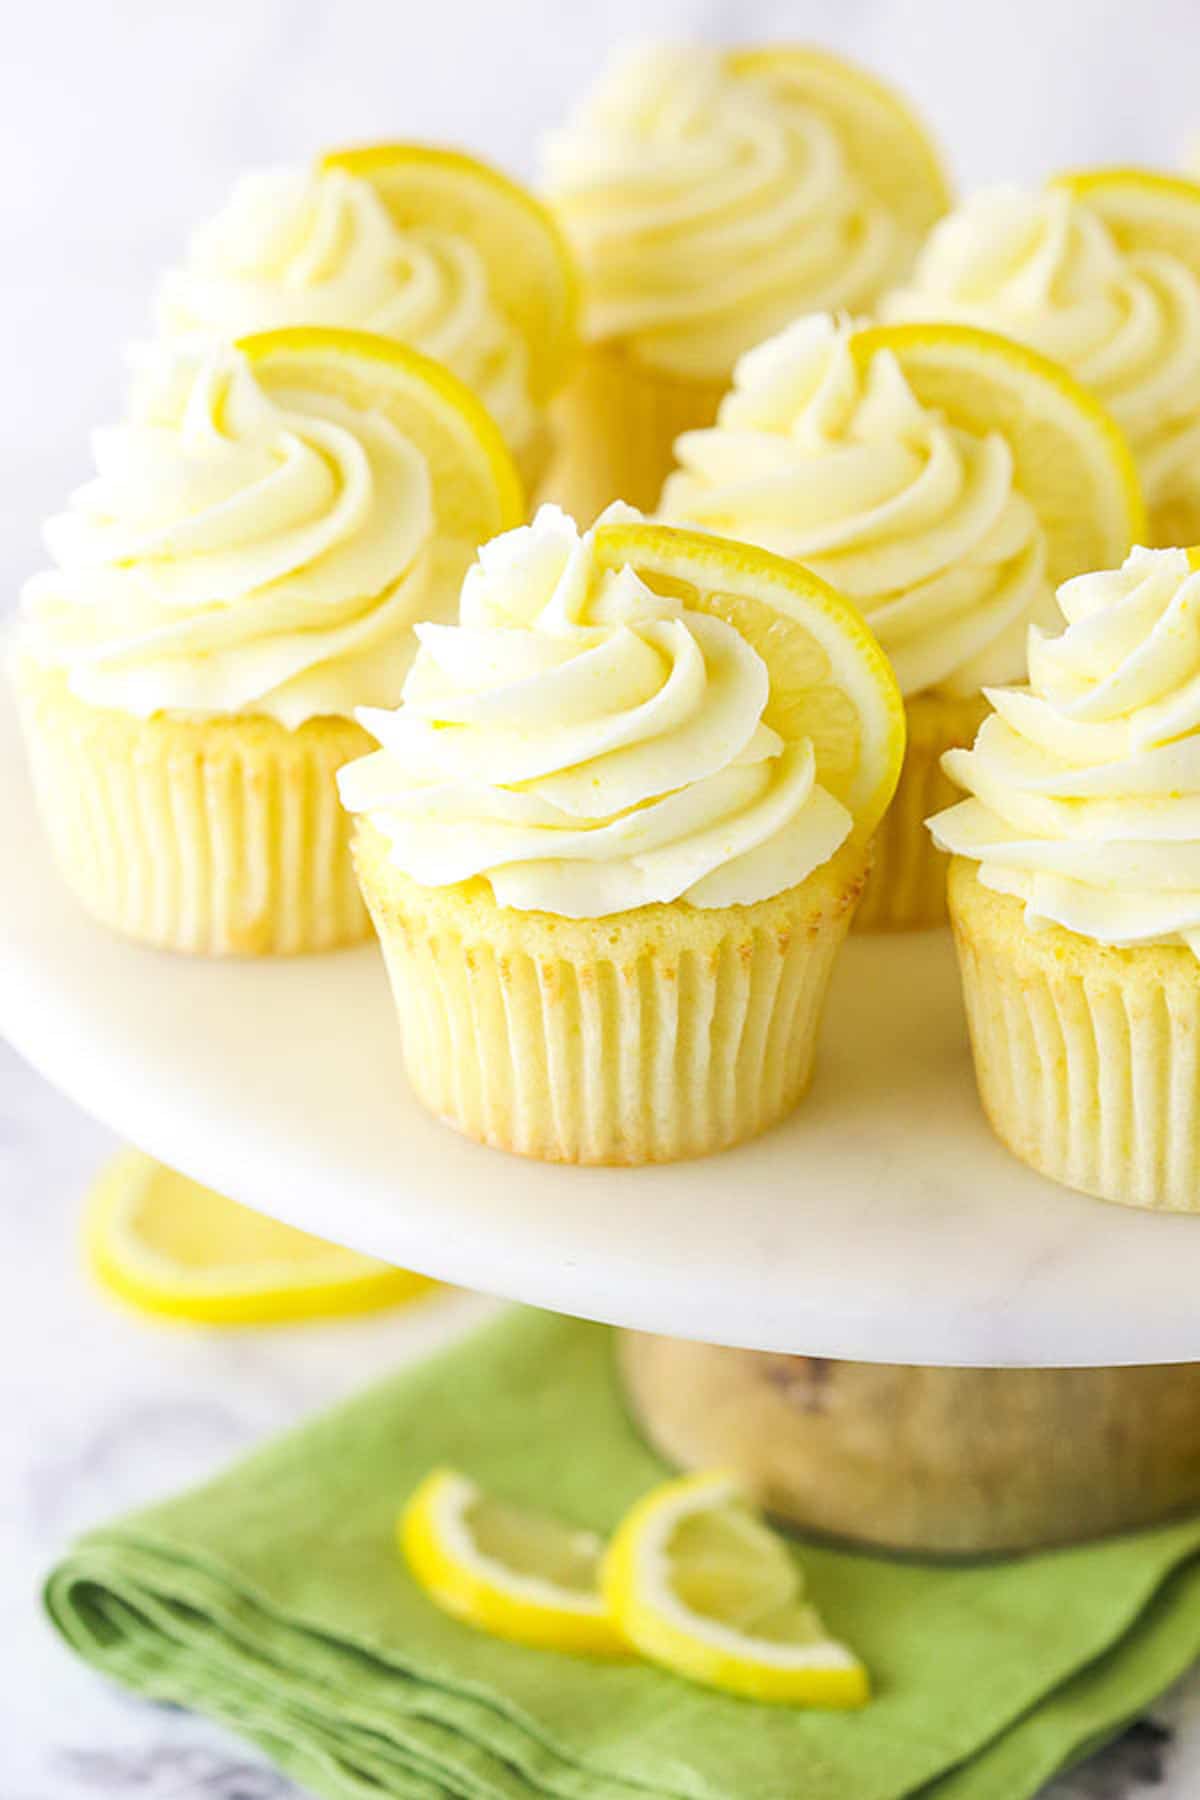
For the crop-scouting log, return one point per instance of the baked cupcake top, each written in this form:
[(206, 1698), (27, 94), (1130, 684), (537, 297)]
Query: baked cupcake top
[(237, 551), (709, 204), (589, 746), (1085, 785), (319, 247), (1045, 268), (841, 468)]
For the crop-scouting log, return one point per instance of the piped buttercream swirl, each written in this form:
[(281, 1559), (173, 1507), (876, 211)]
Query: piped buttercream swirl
[(589, 746), (238, 552), (707, 210), (301, 247), (1085, 785), (1044, 268), (842, 469)]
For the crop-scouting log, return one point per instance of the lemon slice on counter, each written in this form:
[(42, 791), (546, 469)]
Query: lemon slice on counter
[(1143, 208), (830, 681), (1071, 459), (698, 1584), (168, 1246), (531, 272), (886, 144), (516, 1574), (475, 485)]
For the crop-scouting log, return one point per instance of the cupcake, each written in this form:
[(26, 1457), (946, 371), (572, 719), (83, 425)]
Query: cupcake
[(429, 247), (1085, 272), (614, 834), (943, 480), (711, 196), (1075, 890), (244, 570)]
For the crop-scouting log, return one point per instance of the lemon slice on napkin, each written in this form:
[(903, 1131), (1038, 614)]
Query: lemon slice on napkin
[(168, 1246), (516, 1574), (699, 1584)]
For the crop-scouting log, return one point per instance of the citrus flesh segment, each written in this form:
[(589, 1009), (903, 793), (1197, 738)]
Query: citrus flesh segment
[(166, 1245), (516, 1574), (1071, 460), (1143, 208), (885, 142), (531, 272), (700, 1585), (476, 488), (830, 681)]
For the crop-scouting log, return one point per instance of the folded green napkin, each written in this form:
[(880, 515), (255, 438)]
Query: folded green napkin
[(274, 1599)]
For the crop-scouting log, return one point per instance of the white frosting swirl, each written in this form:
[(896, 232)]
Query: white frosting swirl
[(846, 472), (1085, 785), (1044, 268), (300, 247), (707, 209), (589, 746), (239, 553)]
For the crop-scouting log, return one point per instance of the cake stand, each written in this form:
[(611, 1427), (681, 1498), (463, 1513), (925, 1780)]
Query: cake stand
[(883, 1224)]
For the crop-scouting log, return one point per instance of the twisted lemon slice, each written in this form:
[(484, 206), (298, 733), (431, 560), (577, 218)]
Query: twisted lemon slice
[(516, 1574), (700, 1585), (166, 1245), (531, 272)]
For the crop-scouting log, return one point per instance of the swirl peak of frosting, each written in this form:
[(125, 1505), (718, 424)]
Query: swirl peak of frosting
[(844, 470), (237, 551), (1085, 785), (1043, 267), (707, 209), (589, 746), (319, 247)]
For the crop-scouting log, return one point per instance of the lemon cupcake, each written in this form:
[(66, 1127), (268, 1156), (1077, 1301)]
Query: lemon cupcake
[(1102, 272), (614, 835), (711, 196), (943, 479), (1075, 890), (427, 246), (263, 529)]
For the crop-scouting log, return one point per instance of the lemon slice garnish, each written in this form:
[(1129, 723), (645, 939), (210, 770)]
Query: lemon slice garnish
[(698, 1584), (475, 486), (168, 1246), (885, 143), (830, 681), (531, 272), (513, 1573), (1071, 459), (1144, 209)]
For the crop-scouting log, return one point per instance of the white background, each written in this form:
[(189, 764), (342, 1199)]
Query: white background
[(122, 122)]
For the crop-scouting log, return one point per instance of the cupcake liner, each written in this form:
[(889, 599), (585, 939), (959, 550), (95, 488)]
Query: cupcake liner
[(1175, 516), (1087, 1057), (533, 457), (907, 886), (219, 837), (649, 1036), (616, 423)]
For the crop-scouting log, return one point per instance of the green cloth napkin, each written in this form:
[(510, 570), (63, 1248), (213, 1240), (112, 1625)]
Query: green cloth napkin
[(274, 1599)]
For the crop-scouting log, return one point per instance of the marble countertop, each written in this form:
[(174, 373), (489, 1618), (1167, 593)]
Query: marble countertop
[(104, 1410)]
